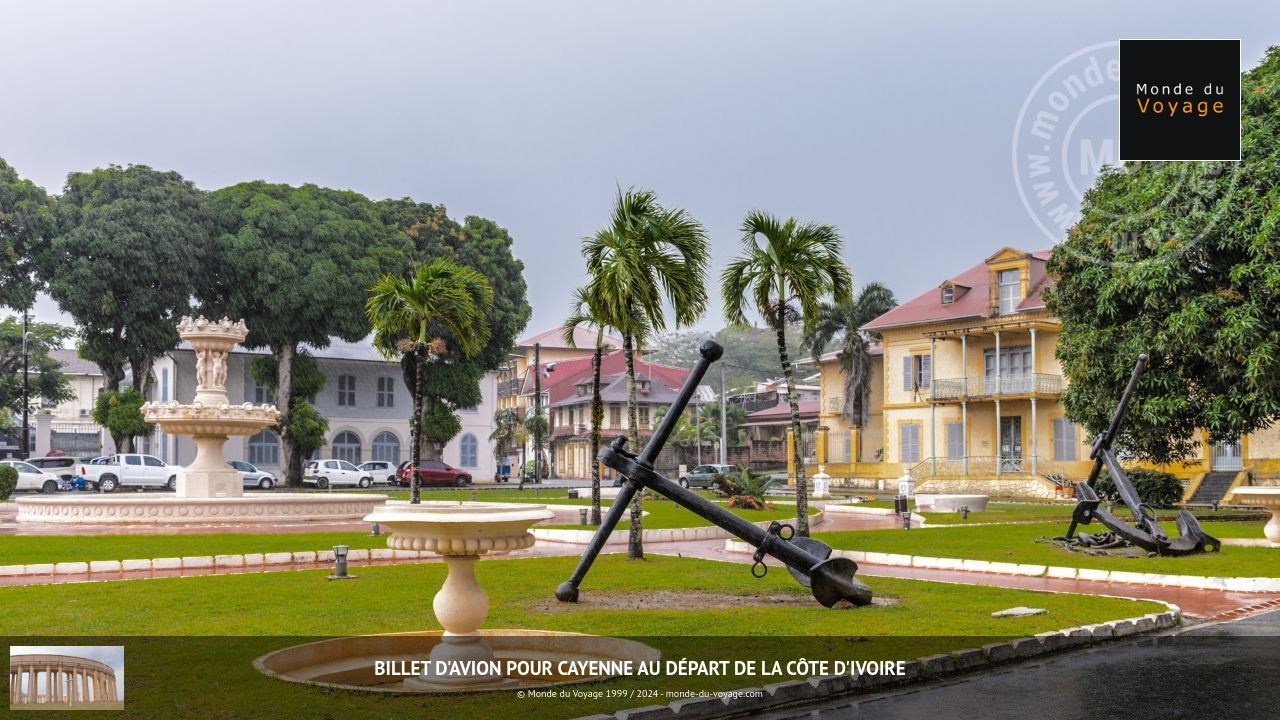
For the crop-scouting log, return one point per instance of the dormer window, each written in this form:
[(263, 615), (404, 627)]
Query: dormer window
[(1009, 289), (948, 294)]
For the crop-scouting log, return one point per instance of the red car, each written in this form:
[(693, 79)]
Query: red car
[(434, 472)]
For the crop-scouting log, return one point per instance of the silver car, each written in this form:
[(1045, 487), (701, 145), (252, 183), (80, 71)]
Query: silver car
[(252, 476), (704, 475)]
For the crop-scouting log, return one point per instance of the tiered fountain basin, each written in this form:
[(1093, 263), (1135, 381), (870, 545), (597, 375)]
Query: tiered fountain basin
[(1266, 497), (166, 509), (463, 658)]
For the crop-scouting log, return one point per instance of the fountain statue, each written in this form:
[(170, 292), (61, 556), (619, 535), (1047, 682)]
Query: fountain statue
[(210, 419), (208, 490)]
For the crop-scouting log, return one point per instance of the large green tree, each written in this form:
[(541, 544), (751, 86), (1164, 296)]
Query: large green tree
[(44, 379), (843, 321), (646, 258), (1181, 261), (295, 264), (485, 247), (26, 224), (307, 427), (785, 271), (131, 245), (404, 311)]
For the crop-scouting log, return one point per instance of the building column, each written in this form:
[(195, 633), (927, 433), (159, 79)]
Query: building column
[(791, 458), (48, 683), (1034, 447), (820, 440), (998, 433), (933, 407)]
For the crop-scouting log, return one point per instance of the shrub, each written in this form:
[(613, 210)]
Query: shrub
[(8, 481), (744, 490), (1156, 488)]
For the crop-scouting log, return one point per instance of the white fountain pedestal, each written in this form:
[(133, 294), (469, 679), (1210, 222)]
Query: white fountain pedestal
[(460, 533), (1267, 497)]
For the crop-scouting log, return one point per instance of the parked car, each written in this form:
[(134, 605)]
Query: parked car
[(63, 466), (325, 473), (381, 470), (703, 476), (435, 472), (131, 470), (252, 476), (31, 477)]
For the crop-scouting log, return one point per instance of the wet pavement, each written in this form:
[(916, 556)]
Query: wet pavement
[(1213, 671)]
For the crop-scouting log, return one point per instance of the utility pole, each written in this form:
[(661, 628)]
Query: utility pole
[(26, 391), (537, 409), (724, 436)]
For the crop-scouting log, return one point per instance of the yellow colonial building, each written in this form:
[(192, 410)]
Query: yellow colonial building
[(965, 398)]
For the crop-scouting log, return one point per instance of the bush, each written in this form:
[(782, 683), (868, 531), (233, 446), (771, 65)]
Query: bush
[(1156, 488), (745, 490), (8, 481)]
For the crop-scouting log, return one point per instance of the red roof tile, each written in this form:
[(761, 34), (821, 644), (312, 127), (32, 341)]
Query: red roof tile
[(971, 303)]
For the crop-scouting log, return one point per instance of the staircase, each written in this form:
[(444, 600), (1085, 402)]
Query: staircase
[(1213, 487)]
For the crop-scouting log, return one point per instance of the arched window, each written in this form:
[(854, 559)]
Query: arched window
[(468, 451), (346, 446), (386, 446), (264, 448)]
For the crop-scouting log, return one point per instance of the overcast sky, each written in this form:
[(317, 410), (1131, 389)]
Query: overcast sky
[(892, 120)]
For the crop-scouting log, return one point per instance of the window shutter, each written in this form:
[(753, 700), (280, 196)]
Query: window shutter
[(906, 372), (926, 371)]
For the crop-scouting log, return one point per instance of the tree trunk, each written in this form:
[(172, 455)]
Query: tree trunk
[(635, 538), (284, 403), (142, 372), (597, 417), (415, 427), (797, 432)]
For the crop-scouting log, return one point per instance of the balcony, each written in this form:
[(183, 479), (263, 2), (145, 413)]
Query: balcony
[(989, 388)]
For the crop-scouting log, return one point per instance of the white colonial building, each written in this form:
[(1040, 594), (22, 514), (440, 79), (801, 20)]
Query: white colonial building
[(364, 399)]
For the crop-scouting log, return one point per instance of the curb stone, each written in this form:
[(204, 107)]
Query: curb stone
[(795, 692)]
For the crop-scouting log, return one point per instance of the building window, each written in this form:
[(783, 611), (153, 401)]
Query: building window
[(346, 446), (909, 443), (264, 448), (164, 385), (386, 447), (260, 396), (468, 447), (948, 295), (1009, 287), (615, 416), (917, 372), (347, 390), (955, 441), (386, 392), (1064, 439), (642, 416)]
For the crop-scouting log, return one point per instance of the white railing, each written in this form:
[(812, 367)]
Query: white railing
[(1020, 384), (984, 465)]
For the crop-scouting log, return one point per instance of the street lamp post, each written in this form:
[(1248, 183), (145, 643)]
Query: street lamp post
[(26, 390), (723, 433)]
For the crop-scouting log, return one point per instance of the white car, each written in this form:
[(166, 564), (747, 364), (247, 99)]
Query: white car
[(31, 477), (252, 476), (381, 470), (130, 470), (326, 473)]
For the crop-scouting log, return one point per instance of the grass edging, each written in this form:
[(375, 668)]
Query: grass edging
[(755, 700), (194, 562), (1233, 584)]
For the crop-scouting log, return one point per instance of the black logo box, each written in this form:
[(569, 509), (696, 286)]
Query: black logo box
[(1161, 77)]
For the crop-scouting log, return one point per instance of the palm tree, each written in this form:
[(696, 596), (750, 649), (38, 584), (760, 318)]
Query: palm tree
[(586, 311), (645, 258), (786, 277), (844, 320), (504, 433), (407, 312)]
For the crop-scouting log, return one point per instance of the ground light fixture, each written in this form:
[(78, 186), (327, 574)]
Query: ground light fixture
[(906, 520), (340, 563), (375, 531), (964, 512), (582, 514)]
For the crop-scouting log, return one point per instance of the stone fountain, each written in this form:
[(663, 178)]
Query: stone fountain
[(461, 533), (208, 491)]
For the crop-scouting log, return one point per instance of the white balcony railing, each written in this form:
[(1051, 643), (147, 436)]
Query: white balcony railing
[(1020, 384)]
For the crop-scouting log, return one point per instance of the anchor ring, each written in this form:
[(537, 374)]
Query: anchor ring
[(764, 570)]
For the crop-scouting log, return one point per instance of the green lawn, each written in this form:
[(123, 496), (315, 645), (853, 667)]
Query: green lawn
[(271, 610), (31, 549), (663, 514), (1018, 543)]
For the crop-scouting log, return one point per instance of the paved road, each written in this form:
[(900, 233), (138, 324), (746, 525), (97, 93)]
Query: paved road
[(1223, 671)]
